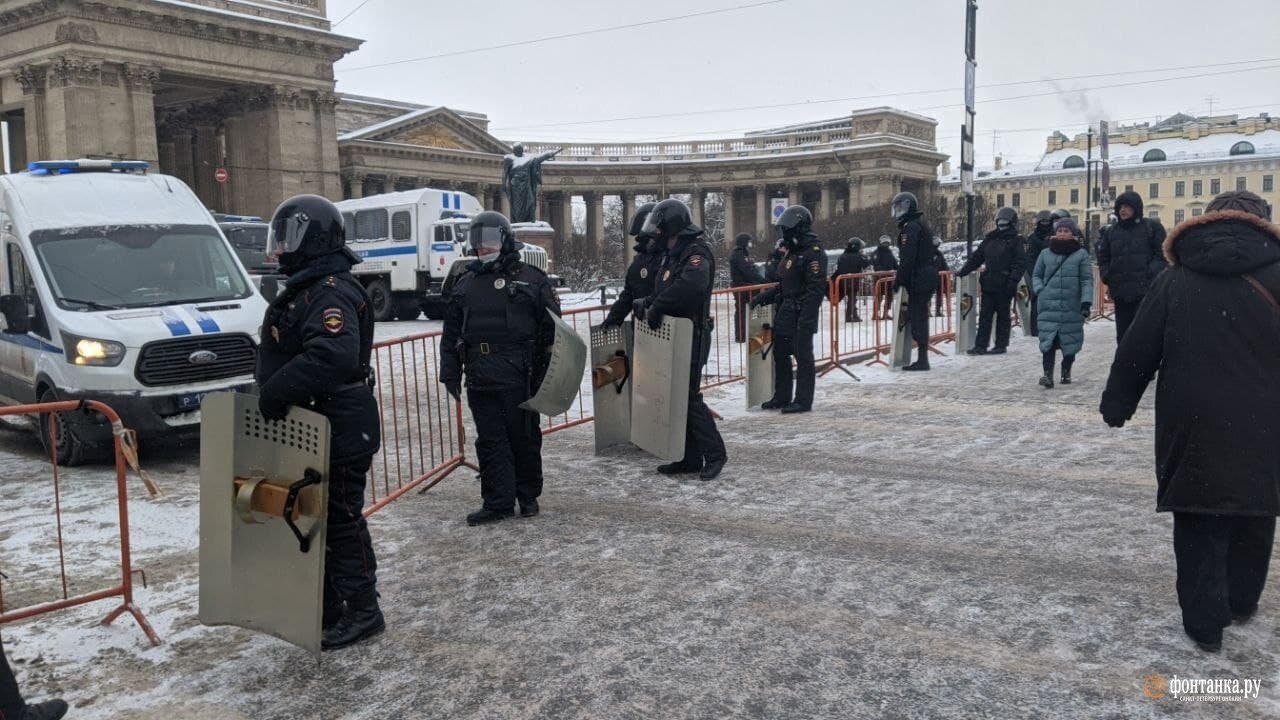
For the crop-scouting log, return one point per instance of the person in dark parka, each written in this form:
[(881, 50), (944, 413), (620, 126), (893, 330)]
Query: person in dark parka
[(802, 286), (497, 333), (1210, 326), (1036, 241), (884, 261), (851, 262), (919, 264), (1000, 256), (641, 274), (317, 338), (1130, 256), (742, 272)]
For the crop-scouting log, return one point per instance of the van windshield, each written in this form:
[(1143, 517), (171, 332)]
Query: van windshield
[(129, 266)]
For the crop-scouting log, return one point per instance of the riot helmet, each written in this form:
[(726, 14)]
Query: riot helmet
[(885, 241), (303, 227), (795, 222), (855, 244), (904, 203), (743, 240), (1059, 214), (1006, 219), (637, 220), (1044, 220), (490, 236), (667, 219)]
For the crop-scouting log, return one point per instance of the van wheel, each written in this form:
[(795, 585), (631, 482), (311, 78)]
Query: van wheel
[(71, 449), (381, 300), (407, 309)]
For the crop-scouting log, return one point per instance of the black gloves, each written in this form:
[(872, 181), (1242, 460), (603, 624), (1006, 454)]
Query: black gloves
[(1085, 309), (454, 388), (272, 409), (638, 307), (655, 318), (607, 323)]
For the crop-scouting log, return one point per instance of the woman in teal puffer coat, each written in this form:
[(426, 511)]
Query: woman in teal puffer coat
[(1063, 284)]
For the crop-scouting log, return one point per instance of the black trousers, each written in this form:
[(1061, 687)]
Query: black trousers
[(508, 447), (11, 703), (350, 568), (1222, 568), (799, 346), (702, 441), (997, 306), (1033, 323), (1125, 310), (918, 315), (1048, 359), (849, 291)]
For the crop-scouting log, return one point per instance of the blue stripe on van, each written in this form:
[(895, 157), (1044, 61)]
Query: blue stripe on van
[(34, 343), (444, 200), (383, 252), (442, 247), (205, 321), (457, 201), (176, 327)]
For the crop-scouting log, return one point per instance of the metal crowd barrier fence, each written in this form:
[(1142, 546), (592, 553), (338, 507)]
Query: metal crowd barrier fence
[(941, 319), (1103, 305), (124, 588)]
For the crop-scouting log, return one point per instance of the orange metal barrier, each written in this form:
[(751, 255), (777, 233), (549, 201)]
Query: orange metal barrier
[(1103, 305), (941, 318), (122, 590)]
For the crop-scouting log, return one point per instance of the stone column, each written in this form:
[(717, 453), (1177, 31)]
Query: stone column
[(762, 211), (17, 149), (824, 200), (179, 131), (730, 224), (355, 182), (504, 203), (628, 211), (139, 85), (565, 218), (483, 195), (73, 111), (793, 194), (207, 156), (696, 198), (595, 217), (33, 81)]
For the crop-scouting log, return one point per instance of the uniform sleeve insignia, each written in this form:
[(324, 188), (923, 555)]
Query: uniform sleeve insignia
[(787, 264), (814, 267), (696, 260), (332, 320), (644, 273), (499, 283), (331, 281), (275, 333), (666, 275)]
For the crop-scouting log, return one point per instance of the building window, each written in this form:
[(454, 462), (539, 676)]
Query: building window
[(1242, 148), (1153, 214), (1075, 196), (1111, 191), (1053, 196), (1179, 215), (1242, 183), (1195, 212), (1156, 155), (1128, 188), (1153, 190), (1180, 188), (1075, 161), (1268, 183), (999, 200), (1197, 188), (1017, 199), (1215, 186)]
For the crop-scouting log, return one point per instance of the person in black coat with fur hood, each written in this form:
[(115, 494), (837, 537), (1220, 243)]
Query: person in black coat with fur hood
[(1210, 326), (1130, 257)]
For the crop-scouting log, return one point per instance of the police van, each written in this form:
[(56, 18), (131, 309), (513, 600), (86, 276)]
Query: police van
[(248, 237), (408, 242), (117, 286)]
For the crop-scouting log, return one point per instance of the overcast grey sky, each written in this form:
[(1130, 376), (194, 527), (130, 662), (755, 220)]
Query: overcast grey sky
[(910, 53)]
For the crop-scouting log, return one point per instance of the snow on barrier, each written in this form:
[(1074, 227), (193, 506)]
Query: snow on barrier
[(122, 590), (423, 437)]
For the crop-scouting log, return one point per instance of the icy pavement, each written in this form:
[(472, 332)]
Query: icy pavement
[(957, 544)]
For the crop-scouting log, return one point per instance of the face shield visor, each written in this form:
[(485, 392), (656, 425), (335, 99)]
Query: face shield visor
[(486, 243), (287, 234), (900, 208)]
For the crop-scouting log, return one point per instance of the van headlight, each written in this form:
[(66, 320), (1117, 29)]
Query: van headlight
[(91, 351)]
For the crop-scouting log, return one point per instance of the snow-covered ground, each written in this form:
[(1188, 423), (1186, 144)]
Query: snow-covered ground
[(956, 544)]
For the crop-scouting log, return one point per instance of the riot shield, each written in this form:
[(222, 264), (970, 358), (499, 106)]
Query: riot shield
[(564, 373), (966, 312), (1023, 302), (900, 350), (660, 387), (263, 502), (611, 351), (759, 355)]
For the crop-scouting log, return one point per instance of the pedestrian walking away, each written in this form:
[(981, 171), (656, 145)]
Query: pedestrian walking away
[(1210, 326), (1063, 279)]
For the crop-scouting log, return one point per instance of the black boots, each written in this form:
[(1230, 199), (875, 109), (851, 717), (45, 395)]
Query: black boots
[(917, 366), (796, 408), (679, 468), (774, 404), (47, 710), (998, 350), (362, 619), (529, 509), (713, 468), (978, 351), (1046, 382), (1066, 378), (482, 516)]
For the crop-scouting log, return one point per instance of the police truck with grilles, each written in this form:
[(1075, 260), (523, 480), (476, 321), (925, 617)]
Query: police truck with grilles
[(408, 241), (116, 285)]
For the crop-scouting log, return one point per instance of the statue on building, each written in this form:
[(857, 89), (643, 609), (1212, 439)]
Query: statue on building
[(521, 176)]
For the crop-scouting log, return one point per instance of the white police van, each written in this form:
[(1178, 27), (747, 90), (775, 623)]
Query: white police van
[(117, 286), (408, 242)]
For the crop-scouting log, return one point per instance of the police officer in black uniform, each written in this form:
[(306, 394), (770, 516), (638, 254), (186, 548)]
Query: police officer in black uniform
[(1000, 256), (316, 340), (1037, 240), (851, 262), (497, 332), (802, 286), (640, 275), (742, 272), (772, 262), (919, 262), (683, 290)]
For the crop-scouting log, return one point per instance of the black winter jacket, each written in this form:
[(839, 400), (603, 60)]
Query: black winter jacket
[(919, 259), (638, 283), (1032, 246), (802, 286), (1215, 341), (850, 262), (884, 260), (1001, 252), (741, 270), (1130, 252)]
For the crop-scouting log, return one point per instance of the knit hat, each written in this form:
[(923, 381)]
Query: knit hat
[(1069, 224), (1241, 200)]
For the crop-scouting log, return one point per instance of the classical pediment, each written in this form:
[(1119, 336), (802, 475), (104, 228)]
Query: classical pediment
[(437, 127)]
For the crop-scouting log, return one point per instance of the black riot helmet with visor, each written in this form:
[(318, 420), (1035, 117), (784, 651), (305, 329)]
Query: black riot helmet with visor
[(1006, 219), (668, 219), (1044, 219), (637, 221), (794, 222), (490, 237), (904, 203), (303, 227)]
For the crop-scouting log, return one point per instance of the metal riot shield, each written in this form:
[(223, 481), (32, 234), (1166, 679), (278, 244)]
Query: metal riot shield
[(264, 489), (611, 351), (966, 312), (759, 355), (900, 350), (564, 373), (1023, 302), (660, 387)]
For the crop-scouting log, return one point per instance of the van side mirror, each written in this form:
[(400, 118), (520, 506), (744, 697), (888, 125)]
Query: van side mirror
[(16, 318)]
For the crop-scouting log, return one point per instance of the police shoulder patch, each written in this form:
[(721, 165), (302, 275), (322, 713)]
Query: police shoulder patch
[(332, 320), (695, 260), (331, 281), (814, 267)]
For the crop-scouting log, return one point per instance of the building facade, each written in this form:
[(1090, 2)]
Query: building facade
[(1177, 166)]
